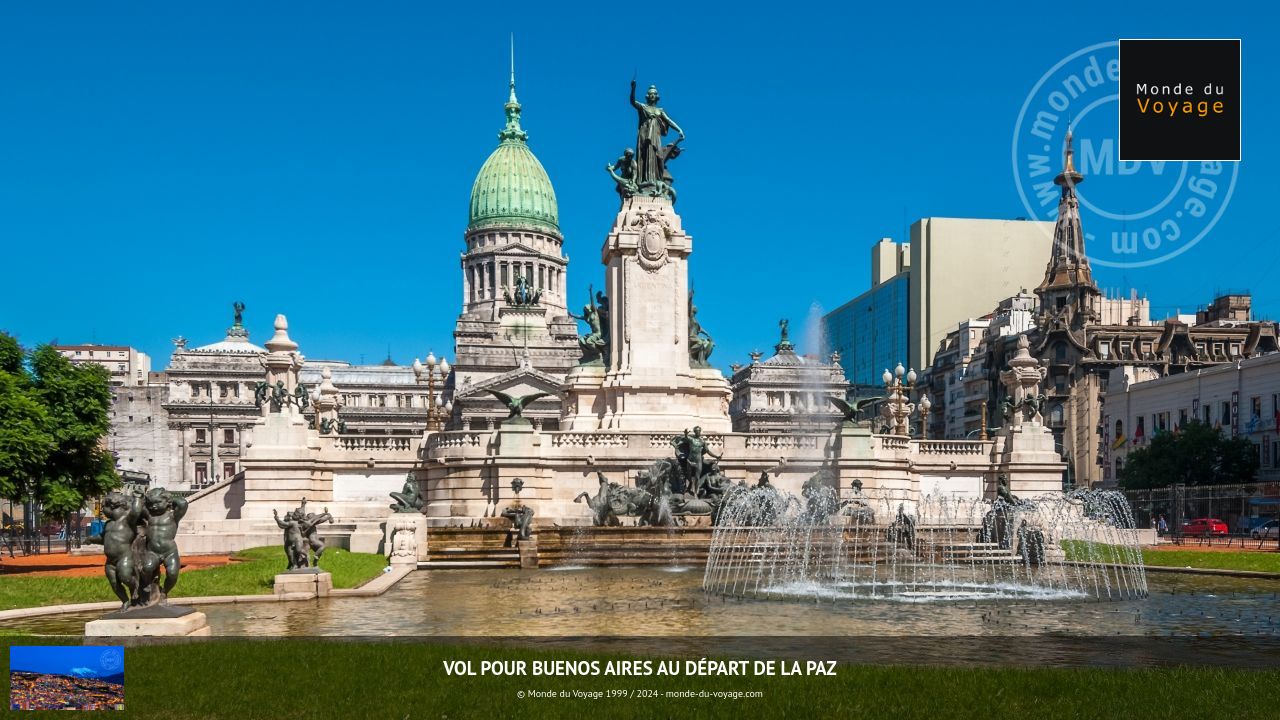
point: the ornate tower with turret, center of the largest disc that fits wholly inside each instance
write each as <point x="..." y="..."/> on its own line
<point x="1070" y="304"/>
<point x="514" y="333"/>
<point x="1068" y="295"/>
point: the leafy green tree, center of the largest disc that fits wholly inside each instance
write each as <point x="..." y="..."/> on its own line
<point x="1196" y="455"/>
<point x="53" y="418"/>
<point x="25" y="444"/>
<point x="78" y="401"/>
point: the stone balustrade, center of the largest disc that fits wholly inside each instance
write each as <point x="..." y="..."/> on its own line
<point x="953" y="447"/>
<point x="378" y="443"/>
<point x="455" y="439"/>
<point x="783" y="442"/>
<point x="587" y="439"/>
<point x="895" y="442"/>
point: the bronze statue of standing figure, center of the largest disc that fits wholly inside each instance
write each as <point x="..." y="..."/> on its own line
<point x="643" y="171"/>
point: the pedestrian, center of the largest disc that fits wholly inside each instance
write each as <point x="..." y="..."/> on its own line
<point x="1162" y="527"/>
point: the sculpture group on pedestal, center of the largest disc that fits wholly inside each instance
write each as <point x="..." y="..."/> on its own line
<point x="408" y="500"/>
<point x="302" y="546"/>
<point x="520" y="515"/>
<point x="595" y="344"/>
<point x="1023" y="399"/>
<point x="280" y="396"/>
<point x="139" y="540"/>
<point x="523" y="295"/>
<point x="667" y="491"/>
<point x="700" y="342"/>
<point x="643" y="170"/>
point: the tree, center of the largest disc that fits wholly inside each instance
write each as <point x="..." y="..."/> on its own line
<point x="1195" y="455"/>
<point x="53" y="418"/>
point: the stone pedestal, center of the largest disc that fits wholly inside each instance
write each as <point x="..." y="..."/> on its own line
<point x="312" y="581"/>
<point x="1031" y="460"/>
<point x="528" y="553"/>
<point x="369" y="537"/>
<point x="648" y="384"/>
<point x="150" y="622"/>
<point x="406" y="538"/>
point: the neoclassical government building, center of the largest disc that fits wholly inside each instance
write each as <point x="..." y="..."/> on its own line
<point x="187" y="427"/>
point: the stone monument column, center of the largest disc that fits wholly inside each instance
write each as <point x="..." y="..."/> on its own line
<point x="654" y="374"/>
<point x="280" y="467"/>
<point x="1030" y="457"/>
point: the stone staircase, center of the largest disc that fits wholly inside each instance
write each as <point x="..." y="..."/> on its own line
<point x="468" y="548"/>
<point x="463" y="548"/>
<point x="601" y="546"/>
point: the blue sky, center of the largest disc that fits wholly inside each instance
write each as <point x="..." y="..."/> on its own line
<point x="84" y="661"/>
<point x="161" y="160"/>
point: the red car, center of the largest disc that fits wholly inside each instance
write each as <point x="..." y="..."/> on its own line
<point x="1204" y="526"/>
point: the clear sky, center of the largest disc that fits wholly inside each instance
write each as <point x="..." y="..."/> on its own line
<point x="84" y="661"/>
<point x="159" y="161"/>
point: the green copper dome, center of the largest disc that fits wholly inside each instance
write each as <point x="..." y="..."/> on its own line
<point x="512" y="190"/>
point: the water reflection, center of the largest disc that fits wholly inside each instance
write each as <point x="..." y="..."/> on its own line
<point x="646" y="602"/>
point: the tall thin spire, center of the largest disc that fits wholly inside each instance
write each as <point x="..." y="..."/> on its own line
<point x="1068" y="265"/>
<point x="513" y="68"/>
<point x="513" y="131"/>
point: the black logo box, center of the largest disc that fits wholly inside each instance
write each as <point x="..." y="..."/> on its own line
<point x="1185" y="67"/>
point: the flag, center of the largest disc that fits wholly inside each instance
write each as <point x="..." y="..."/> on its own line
<point x="1119" y="443"/>
<point x="1254" y="422"/>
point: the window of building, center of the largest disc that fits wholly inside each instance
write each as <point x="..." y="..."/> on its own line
<point x="202" y="473"/>
<point x="200" y="435"/>
<point x="1235" y="349"/>
<point x="1124" y="347"/>
<point x="1182" y="417"/>
<point x="1200" y="348"/>
<point x="1056" y="415"/>
<point x="228" y="469"/>
<point x="1217" y="348"/>
<point x="1060" y="352"/>
<point x="1206" y="414"/>
<point x="1255" y="407"/>
<point x="1225" y="417"/>
<point x="1104" y="350"/>
<point x="228" y="435"/>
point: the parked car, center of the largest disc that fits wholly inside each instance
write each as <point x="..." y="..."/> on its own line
<point x="1266" y="530"/>
<point x="1204" y="526"/>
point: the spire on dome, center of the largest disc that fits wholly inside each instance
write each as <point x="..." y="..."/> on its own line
<point x="513" y="132"/>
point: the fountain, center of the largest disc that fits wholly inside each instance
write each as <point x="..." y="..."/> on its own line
<point x="938" y="546"/>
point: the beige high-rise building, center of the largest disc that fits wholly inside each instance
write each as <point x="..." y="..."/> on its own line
<point x="950" y="255"/>
<point x="128" y="366"/>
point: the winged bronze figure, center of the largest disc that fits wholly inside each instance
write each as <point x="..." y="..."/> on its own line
<point x="850" y="411"/>
<point x="516" y="405"/>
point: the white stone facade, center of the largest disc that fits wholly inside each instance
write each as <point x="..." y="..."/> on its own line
<point x="1242" y="399"/>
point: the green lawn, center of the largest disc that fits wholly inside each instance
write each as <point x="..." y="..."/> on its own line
<point x="1212" y="559"/>
<point x="242" y="679"/>
<point x="250" y="576"/>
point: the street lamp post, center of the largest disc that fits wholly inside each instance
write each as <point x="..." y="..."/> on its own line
<point x="898" y="393"/>
<point x="431" y="372"/>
